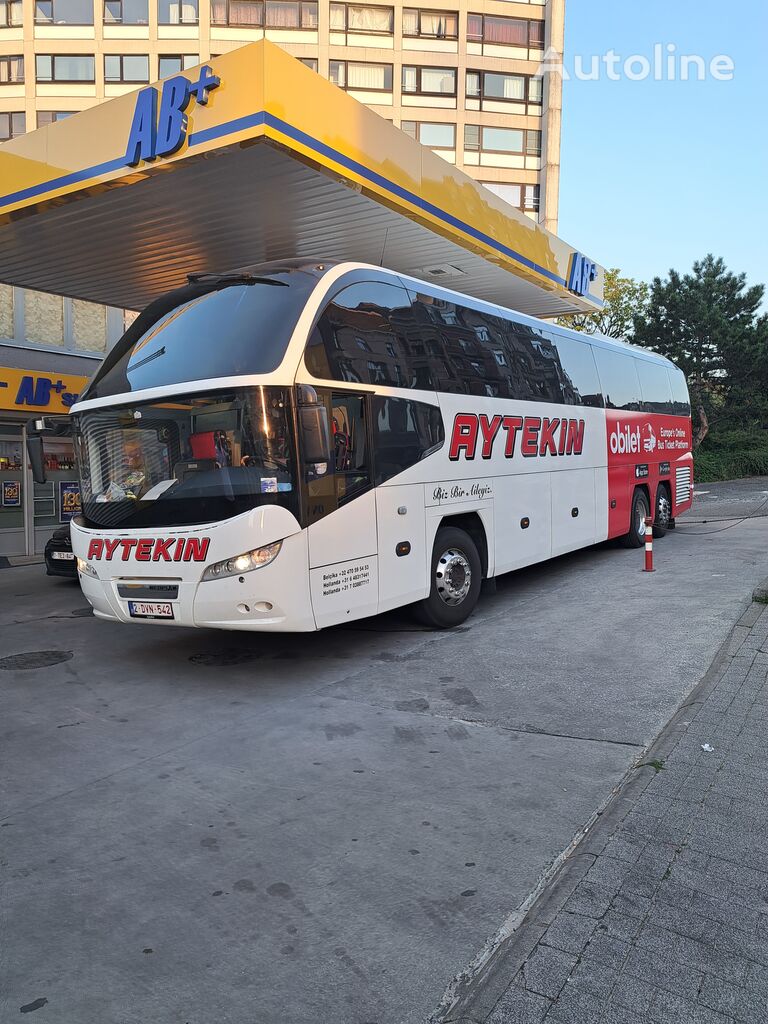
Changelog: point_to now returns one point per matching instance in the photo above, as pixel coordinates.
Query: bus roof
(274, 162)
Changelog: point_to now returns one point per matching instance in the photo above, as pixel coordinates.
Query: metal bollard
(648, 545)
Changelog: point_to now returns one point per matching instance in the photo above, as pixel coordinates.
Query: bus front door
(343, 563)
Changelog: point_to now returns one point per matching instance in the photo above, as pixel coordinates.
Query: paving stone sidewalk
(667, 920)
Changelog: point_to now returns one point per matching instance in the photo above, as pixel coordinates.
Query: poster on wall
(69, 500)
(11, 493)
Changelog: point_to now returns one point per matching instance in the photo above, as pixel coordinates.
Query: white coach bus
(299, 445)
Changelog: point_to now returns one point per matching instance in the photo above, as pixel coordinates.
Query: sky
(656, 174)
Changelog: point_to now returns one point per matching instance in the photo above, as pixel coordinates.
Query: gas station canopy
(252, 158)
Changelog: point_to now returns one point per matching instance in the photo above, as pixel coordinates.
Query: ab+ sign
(582, 272)
(152, 135)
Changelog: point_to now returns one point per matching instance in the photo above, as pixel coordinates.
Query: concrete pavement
(332, 826)
(661, 916)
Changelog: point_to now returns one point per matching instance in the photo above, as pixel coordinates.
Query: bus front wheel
(456, 576)
(635, 537)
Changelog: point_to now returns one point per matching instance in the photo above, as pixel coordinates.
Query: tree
(624, 299)
(708, 323)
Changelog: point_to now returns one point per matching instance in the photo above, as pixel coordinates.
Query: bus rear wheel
(635, 536)
(663, 513)
(456, 576)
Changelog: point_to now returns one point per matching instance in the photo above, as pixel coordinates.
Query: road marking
(696, 494)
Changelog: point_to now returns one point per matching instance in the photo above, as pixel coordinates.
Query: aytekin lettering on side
(539, 436)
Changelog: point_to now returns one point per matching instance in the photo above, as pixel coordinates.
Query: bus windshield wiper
(147, 359)
(207, 278)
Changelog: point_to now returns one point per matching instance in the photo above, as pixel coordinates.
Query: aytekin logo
(538, 436)
(150, 549)
(152, 136)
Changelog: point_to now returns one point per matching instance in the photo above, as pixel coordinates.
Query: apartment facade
(458, 75)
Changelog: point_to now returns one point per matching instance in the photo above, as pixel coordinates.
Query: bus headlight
(86, 568)
(246, 562)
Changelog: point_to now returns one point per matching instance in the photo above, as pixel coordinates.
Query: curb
(17, 561)
(473, 995)
(760, 593)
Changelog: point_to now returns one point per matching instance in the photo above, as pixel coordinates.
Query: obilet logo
(626, 440)
(623, 440)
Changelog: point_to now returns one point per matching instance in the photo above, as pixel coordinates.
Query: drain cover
(217, 658)
(34, 659)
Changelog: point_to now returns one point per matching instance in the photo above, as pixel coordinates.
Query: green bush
(731, 454)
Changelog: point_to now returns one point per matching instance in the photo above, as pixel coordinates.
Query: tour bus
(296, 445)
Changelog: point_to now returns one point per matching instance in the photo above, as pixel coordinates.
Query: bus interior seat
(203, 445)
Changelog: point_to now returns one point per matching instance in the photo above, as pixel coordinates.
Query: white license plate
(150, 609)
(64, 556)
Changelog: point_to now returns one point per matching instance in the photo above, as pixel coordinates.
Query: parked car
(59, 558)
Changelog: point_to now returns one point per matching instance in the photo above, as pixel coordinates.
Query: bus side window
(619, 380)
(354, 338)
(404, 432)
(349, 438)
(655, 387)
(681, 400)
(536, 362)
(578, 373)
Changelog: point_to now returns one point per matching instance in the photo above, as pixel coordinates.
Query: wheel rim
(663, 510)
(642, 512)
(453, 576)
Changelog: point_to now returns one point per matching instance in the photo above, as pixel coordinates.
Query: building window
(348, 74)
(12, 125)
(64, 12)
(431, 134)
(498, 87)
(175, 64)
(364, 20)
(429, 81)
(310, 62)
(65, 68)
(11, 13)
(45, 117)
(522, 197)
(246, 13)
(128, 68)
(480, 139)
(418, 24)
(11, 70)
(486, 28)
(290, 14)
(177, 12)
(126, 12)
(279, 14)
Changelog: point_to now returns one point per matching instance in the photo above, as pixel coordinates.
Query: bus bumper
(274, 598)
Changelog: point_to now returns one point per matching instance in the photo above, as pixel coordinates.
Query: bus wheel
(635, 538)
(663, 514)
(456, 579)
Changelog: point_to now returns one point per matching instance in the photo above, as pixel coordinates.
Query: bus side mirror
(315, 434)
(36, 453)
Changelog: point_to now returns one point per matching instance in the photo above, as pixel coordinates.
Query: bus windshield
(186, 460)
(224, 326)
